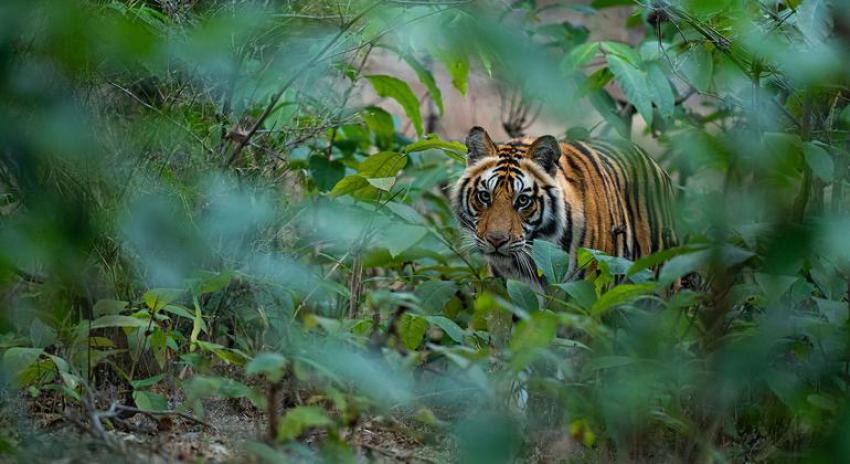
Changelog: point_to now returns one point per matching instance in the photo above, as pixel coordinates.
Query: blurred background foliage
(221, 199)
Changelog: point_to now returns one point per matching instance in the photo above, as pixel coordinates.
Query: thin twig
(276, 97)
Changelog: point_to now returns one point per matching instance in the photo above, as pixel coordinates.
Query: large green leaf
(349, 184)
(457, 65)
(449, 326)
(582, 292)
(324, 172)
(425, 77)
(552, 259)
(118, 321)
(157, 298)
(697, 65)
(633, 81)
(814, 20)
(522, 295)
(382, 164)
(660, 90)
(454, 149)
(435, 294)
(819, 161)
(398, 90)
(411, 330)
(149, 401)
(17, 360)
(578, 56)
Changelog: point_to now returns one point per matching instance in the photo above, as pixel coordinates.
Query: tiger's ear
(546, 152)
(479, 145)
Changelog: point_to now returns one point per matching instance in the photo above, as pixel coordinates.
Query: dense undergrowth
(199, 200)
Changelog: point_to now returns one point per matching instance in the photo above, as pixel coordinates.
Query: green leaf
(425, 77)
(118, 321)
(17, 360)
(455, 150)
(435, 294)
(582, 291)
(149, 401)
(398, 237)
(411, 330)
(179, 310)
(660, 90)
(213, 282)
(146, 383)
(398, 90)
(299, 419)
(522, 295)
(457, 66)
(380, 123)
(324, 172)
(697, 65)
(157, 298)
(382, 183)
(661, 256)
(623, 51)
(270, 365)
(41, 334)
(552, 259)
(619, 295)
(107, 307)
(531, 337)
(836, 312)
(579, 56)
(349, 184)
(819, 161)
(383, 164)
(449, 326)
(814, 20)
(634, 84)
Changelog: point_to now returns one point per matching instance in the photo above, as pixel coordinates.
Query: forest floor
(233, 433)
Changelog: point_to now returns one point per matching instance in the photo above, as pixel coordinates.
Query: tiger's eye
(483, 197)
(523, 200)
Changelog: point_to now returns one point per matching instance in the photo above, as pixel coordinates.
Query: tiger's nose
(497, 239)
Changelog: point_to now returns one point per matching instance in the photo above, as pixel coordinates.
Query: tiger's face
(508, 197)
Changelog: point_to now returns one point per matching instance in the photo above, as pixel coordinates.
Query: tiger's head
(509, 196)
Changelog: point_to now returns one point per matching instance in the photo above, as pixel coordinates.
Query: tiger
(602, 195)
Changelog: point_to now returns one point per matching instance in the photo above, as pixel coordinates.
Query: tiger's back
(627, 199)
(602, 195)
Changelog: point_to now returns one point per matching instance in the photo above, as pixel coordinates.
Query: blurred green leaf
(398, 90)
(324, 172)
(349, 184)
(522, 295)
(118, 321)
(449, 326)
(579, 56)
(299, 419)
(270, 365)
(149, 401)
(582, 291)
(41, 334)
(659, 88)
(619, 295)
(819, 161)
(411, 330)
(435, 294)
(634, 84)
(157, 298)
(384, 164)
(109, 307)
